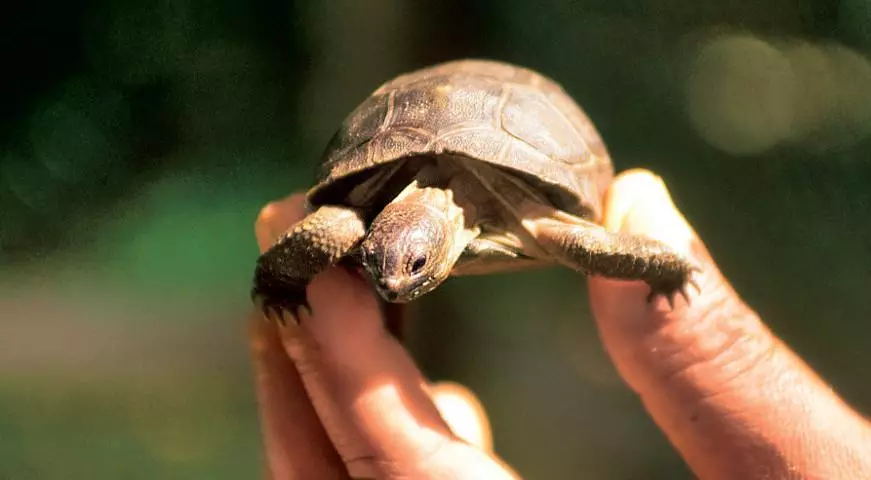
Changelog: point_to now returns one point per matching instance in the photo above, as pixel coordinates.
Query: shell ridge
(455, 132)
(580, 134)
(500, 107)
(388, 115)
(525, 142)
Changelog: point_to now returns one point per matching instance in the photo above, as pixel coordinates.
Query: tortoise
(467, 167)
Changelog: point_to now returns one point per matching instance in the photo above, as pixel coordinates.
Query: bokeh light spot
(818, 87)
(740, 94)
(76, 134)
(852, 109)
(834, 107)
(29, 182)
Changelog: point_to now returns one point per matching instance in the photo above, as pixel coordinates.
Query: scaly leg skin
(590, 248)
(311, 245)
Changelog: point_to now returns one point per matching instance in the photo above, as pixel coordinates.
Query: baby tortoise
(467, 167)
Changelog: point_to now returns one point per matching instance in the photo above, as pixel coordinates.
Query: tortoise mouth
(401, 290)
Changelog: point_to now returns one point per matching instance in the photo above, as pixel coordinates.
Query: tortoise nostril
(388, 284)
(387, 288)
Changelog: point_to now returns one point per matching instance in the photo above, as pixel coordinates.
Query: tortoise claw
(280, 309)
(280, 315)
(692, 281)
(671, 290)
(669, 295)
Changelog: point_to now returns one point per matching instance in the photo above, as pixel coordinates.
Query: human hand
(341, 398)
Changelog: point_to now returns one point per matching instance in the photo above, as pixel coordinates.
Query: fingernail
(276, 217)
(640, 203)
(264, 227)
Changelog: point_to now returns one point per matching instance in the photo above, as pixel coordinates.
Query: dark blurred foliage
(139, 140)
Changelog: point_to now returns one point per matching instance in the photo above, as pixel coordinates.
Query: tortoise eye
(418, 264)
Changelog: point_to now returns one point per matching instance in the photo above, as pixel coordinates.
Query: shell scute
(494, 112)
(530, 118)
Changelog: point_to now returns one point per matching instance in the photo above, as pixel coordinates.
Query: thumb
(649, 344)
(731, 397)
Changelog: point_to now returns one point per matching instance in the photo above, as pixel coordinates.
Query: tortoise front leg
(588, 247)
(311, 245)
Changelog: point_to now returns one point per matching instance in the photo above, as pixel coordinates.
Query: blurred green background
(139, 140)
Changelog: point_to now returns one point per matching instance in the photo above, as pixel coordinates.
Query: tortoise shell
(508, 116)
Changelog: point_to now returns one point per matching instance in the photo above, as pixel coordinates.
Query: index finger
(730, 395)
(296, 444)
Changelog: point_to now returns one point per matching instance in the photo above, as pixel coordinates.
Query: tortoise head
(412, 245)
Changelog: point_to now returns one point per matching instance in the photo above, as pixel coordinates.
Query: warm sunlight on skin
(641, 205)
(463, 413)
(341, 398)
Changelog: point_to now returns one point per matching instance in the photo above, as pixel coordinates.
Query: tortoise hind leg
(588, 247)
(311, 245)
(493, 254)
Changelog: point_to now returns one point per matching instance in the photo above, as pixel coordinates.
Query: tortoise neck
(439, 200)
